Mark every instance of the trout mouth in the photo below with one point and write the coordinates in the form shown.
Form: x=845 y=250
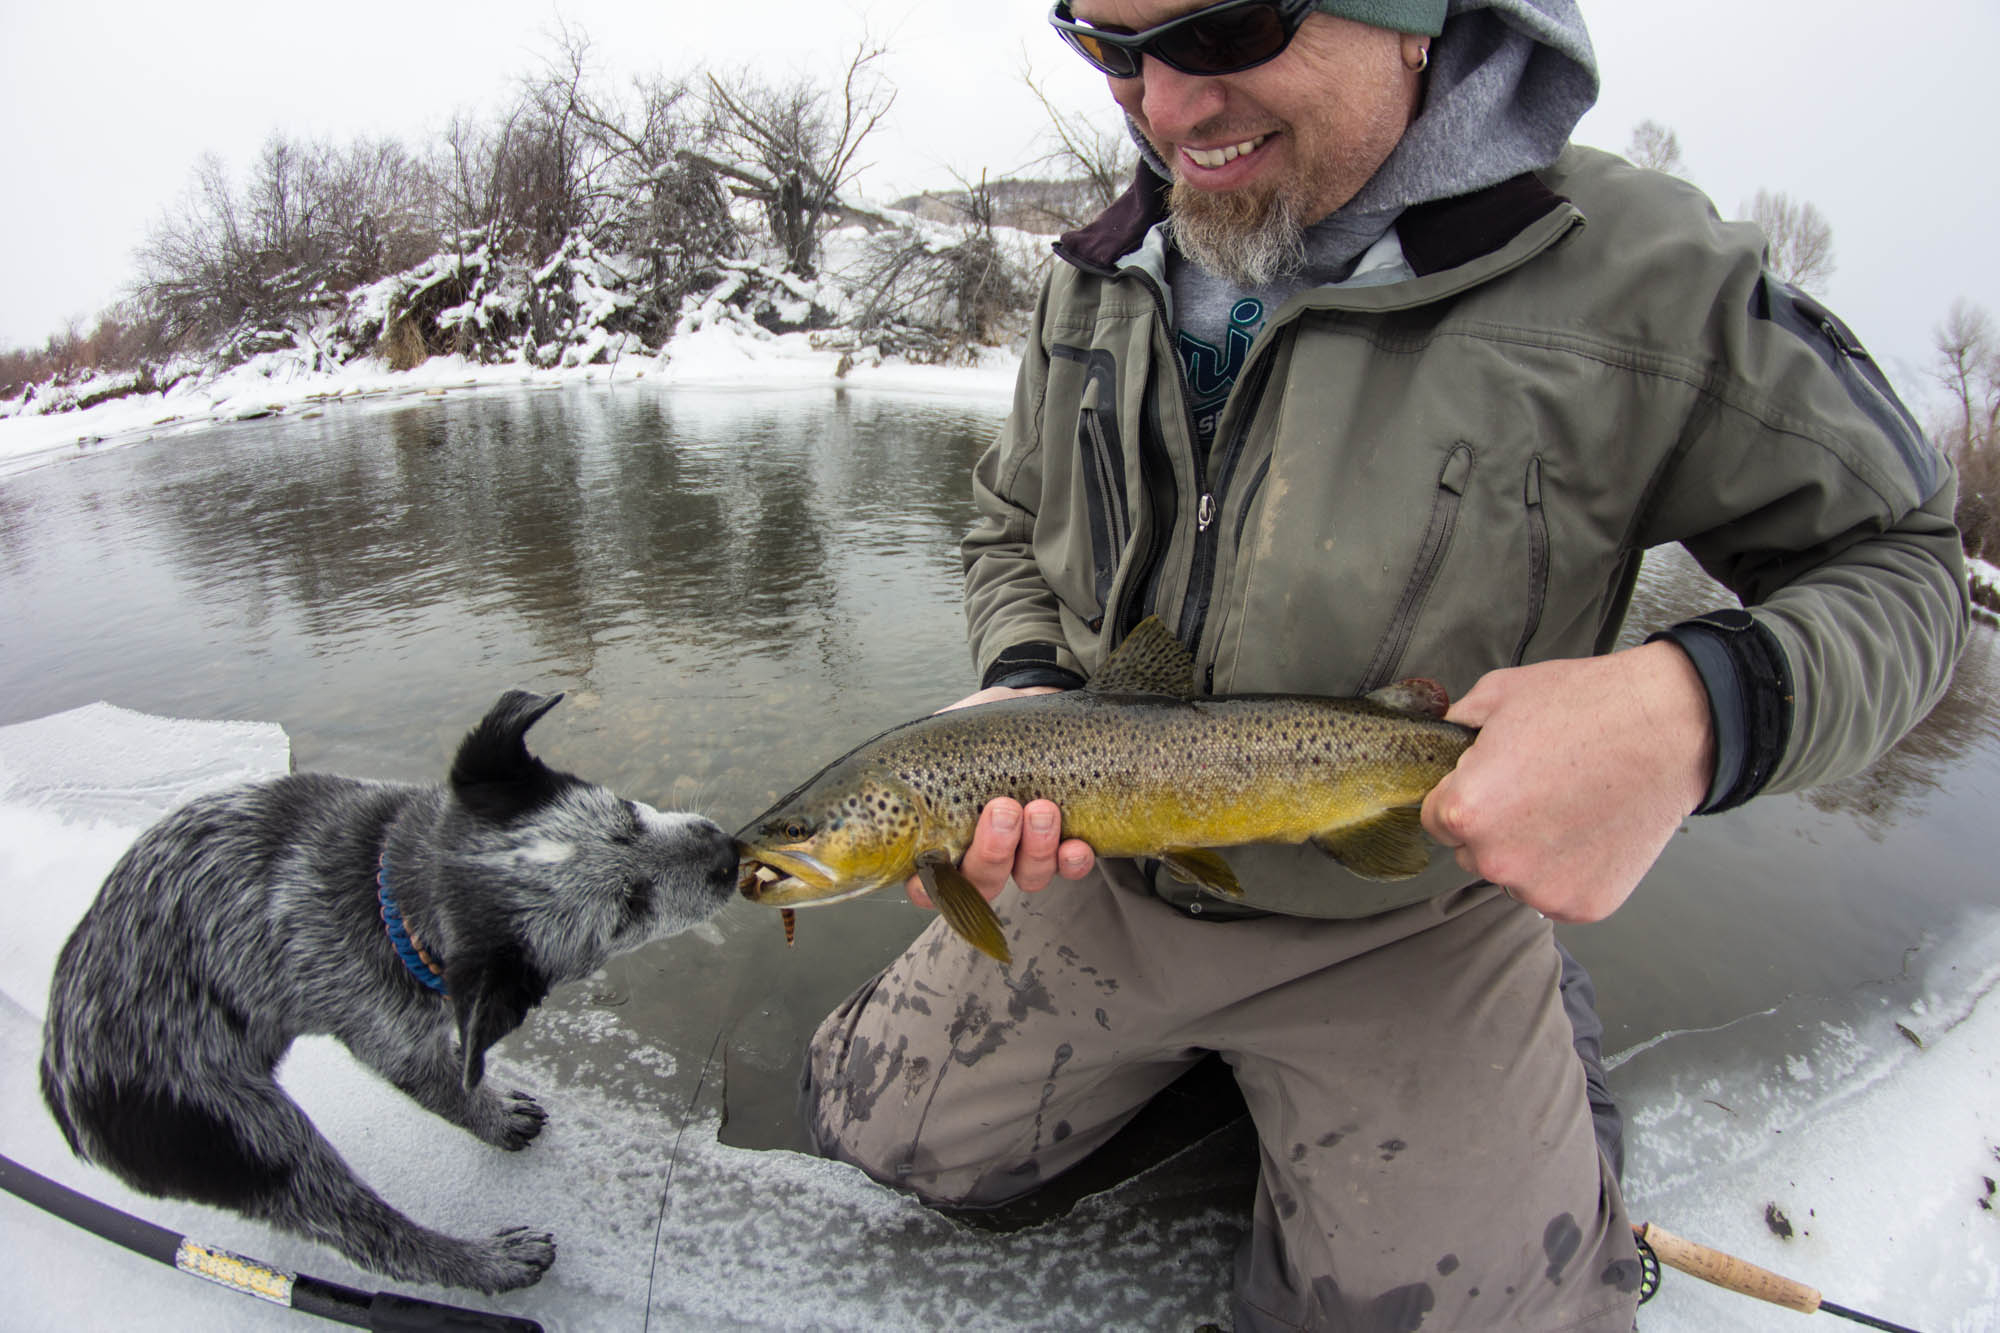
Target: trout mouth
x=792 y=878
x=782 y=878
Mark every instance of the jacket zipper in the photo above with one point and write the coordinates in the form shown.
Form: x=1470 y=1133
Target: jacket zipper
x=1107 y=481
x=1538 y=558
x=1208 y=537
x=1146 y=570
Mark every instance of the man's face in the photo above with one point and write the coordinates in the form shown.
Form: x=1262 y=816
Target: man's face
x=1283 y=144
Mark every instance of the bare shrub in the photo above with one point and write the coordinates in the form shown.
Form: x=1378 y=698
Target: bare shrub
x=310 y=222
x=931 y=300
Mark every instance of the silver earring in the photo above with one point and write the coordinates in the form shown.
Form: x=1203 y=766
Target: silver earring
x=1423 y=61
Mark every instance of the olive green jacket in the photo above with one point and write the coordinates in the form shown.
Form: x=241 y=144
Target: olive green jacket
x=1453 y=461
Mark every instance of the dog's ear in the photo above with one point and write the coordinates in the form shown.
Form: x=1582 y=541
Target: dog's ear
x=492 y=992
x=493 y=771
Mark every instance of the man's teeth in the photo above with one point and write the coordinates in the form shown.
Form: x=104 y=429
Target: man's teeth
x=1215 y=157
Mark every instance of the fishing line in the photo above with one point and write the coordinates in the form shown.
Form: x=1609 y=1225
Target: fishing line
x=666 y=1190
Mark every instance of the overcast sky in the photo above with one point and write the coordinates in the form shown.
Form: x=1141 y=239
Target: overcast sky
x=1883 y=116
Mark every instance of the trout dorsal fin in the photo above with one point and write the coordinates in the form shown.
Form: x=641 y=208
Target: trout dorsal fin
x=1150 y=661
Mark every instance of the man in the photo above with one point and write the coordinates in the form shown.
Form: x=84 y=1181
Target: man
x=1372 y=375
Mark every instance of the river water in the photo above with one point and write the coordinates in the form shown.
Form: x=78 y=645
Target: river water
x=732 y=588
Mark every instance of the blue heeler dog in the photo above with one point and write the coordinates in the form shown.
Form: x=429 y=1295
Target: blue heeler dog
x=419 y=925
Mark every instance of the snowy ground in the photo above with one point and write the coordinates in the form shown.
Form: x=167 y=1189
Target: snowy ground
x=1878 y=1144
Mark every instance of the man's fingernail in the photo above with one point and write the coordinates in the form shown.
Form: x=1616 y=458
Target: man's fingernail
x=1006 y=821
x=1042 y=822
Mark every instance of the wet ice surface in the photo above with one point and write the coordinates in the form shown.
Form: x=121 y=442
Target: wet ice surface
x=1867 y=1123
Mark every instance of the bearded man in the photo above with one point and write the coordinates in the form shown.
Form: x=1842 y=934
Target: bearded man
x=1373 y=374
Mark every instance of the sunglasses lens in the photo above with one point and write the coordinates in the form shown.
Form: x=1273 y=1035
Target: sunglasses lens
x=1116 y=61
x=1225 y=43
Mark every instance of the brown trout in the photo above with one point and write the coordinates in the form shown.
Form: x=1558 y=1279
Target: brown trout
x=1141 y=765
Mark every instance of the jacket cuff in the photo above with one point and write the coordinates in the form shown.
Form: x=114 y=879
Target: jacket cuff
x=1749 y=700
x=1026 y=664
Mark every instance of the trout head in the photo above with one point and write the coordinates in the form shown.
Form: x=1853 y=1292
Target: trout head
x=829 y=841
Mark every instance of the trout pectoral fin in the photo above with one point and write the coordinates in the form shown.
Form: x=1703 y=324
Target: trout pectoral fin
x=963 y=907
x=1386 y=846
x=1198 y=865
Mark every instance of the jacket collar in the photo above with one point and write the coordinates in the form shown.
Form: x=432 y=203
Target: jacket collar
x=1436 y=236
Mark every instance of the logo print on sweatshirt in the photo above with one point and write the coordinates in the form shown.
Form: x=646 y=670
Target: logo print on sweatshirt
x=1211 y=371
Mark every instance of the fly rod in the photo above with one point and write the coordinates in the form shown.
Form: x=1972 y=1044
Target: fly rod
x=1745 y=1278
x=382 y=1310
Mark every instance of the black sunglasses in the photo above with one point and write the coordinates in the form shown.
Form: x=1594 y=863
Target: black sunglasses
x=1221 y=39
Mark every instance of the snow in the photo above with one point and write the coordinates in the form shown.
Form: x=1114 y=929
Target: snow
x=1876 y=1149
x=714 y=353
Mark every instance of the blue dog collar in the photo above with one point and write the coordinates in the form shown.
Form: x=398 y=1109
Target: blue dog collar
x=407 y=948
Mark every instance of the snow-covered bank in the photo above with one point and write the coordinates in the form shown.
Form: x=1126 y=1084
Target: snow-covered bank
x=721 y=355
x=1877 y=1151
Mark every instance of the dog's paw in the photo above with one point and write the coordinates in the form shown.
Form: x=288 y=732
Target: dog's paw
x=522 y=1118
x=511 y=1122
x=513 y=1258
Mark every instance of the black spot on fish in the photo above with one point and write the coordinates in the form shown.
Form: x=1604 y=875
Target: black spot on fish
x=1623 y=1274
x=1328 y=1140
x=1103 y=1020
x=1448 y=1265
x=1287 y=1206
x=1560 y=1242
x=1298 y=1152
x=1402 y=1310
x=1390 y=1147
x=1060 y=1132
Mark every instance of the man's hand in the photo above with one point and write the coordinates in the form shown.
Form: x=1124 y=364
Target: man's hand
x=1010 y=842
x=1582 y=771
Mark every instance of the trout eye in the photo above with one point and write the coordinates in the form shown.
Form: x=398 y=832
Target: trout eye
x=797 y=829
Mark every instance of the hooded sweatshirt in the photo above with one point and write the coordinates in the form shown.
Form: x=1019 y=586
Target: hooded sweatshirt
x=1507 y=82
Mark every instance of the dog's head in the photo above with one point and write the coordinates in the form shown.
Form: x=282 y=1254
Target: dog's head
x=544 y=876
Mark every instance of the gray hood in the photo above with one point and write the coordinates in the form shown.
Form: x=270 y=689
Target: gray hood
x=1508 y=81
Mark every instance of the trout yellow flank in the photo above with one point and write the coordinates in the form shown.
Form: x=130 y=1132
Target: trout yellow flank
x=1140 y=765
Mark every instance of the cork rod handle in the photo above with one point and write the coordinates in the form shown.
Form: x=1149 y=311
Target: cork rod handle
x=1729 y=1272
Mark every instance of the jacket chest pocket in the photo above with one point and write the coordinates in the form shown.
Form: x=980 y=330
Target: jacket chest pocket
x=1513 y=575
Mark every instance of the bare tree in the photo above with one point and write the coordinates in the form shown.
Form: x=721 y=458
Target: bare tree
x=1967 y=366
x=791 y=147
x=1654 y=145
x=1097 y=160
x=1798 y=237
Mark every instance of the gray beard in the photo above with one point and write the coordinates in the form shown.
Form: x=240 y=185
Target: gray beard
x=1251 y=242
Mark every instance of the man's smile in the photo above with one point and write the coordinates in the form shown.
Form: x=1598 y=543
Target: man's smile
x=1220 y=157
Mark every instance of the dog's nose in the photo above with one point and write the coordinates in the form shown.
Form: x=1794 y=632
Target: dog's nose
x=722 y=858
